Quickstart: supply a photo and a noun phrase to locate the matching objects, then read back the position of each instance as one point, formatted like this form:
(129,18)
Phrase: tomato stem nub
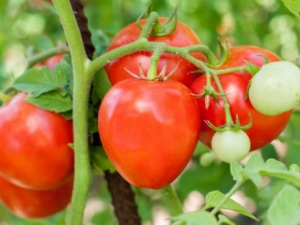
(147,28)
(152,72)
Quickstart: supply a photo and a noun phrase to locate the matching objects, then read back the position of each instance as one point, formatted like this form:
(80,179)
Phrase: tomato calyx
(251,68)
(209,91)
(152,71)
(224,53)
(231,126)
(158,29)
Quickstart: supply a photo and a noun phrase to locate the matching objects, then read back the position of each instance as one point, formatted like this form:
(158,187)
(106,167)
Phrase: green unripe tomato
(275,88)
(231,145)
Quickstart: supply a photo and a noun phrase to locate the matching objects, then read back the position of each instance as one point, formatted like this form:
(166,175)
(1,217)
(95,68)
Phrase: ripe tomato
(149,130)
(35,151)
(247,53)
(264,128)
(183,36)
(51,62)
(34,204)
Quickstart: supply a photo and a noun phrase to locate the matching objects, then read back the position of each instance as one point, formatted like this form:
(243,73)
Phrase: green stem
(229,120)
(142,44)
(146,29)
(231,70)
(211,57)
(171,200)
(234,189)
(81,92)
(45,55)
(152,71)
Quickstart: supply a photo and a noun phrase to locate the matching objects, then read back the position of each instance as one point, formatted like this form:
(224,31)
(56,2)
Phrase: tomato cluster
(36,163)
(149,129)
(264,128)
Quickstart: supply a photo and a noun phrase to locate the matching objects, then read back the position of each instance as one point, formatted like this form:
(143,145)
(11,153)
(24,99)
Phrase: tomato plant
(34,204)
(275,88)
(149,130)
(264,128)
(183,36)
(35,153)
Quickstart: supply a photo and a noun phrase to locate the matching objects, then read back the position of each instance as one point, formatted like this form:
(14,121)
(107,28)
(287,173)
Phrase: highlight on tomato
(241,54)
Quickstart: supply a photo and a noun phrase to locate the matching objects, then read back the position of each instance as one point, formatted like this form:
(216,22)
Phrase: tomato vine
(84,70)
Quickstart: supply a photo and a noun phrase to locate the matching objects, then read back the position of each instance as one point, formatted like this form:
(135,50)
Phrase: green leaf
(204,179)
(37,82)
(236,170)
(293,6)
(224,220)
(213,199)
(99,160)
(194,218)
(268,152)
(277,169)
(53,101)
(101,83)
(285,207)
(252,168)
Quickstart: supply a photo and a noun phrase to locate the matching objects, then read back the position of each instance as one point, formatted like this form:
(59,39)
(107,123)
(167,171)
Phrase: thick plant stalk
(83,26)
(122,199)
(121,192)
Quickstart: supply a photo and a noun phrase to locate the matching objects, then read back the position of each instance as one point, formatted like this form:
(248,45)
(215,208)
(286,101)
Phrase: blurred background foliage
(28,27)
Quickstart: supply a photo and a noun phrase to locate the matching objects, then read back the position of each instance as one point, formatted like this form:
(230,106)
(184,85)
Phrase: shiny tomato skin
(35,151)
(34,204)
(183,36)
(239,55)
(264,128)
(149,130)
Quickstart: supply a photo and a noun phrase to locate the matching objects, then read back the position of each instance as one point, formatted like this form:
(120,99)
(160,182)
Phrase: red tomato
(51,62)
(264,128)
(183,36)
(34,204)
(35,151)
(247,53)
(149,130)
